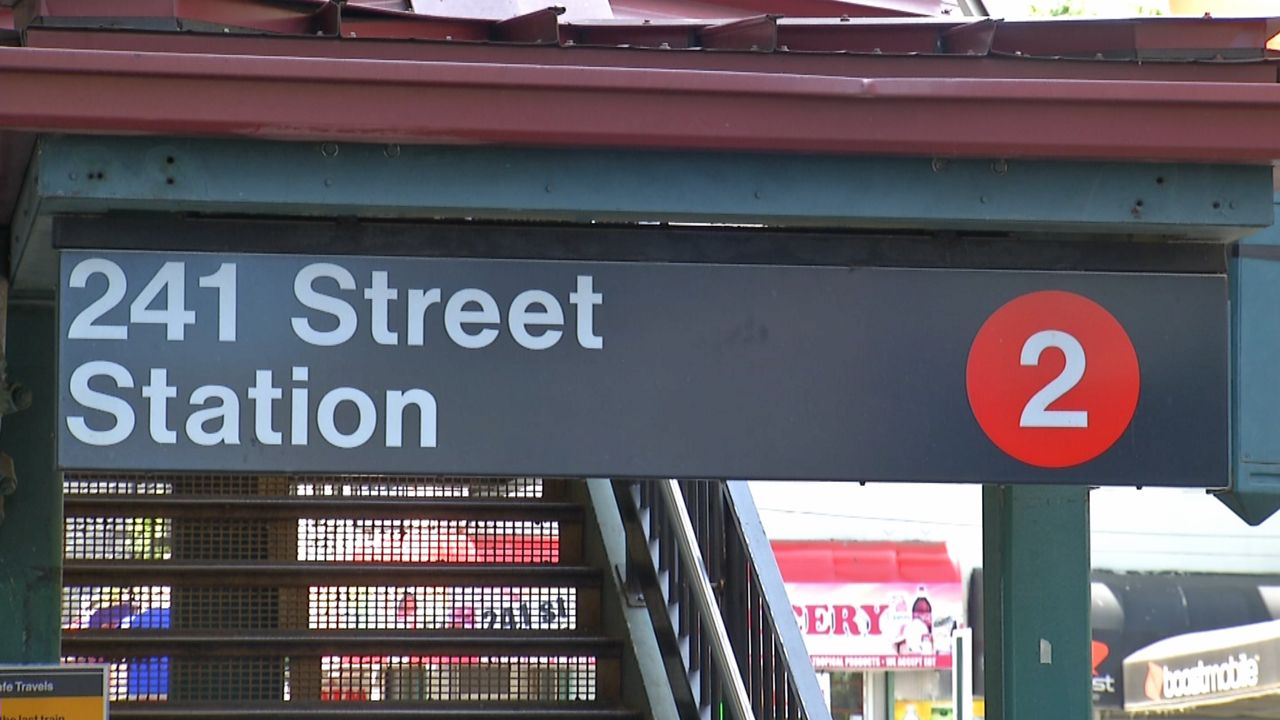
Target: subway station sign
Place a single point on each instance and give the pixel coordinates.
(361, 364)
(41, 692)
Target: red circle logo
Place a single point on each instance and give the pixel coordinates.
(1053, 379)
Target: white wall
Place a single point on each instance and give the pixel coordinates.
(1153, 529)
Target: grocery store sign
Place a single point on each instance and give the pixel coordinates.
(877, 626)
(338, 364)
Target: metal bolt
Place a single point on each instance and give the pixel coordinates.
(74, 176)
(391, 151)
(329, 149)
(758, 194)
(1232, 204)
(939, 164)
(328, 182)
(547, 187)
(982, 199)
(1000, 167)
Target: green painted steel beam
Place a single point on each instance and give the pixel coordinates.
(96, 174)
(1036, 602)
(31, 533)
(1255, 393)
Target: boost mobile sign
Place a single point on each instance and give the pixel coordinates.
(357, 364)
(1185, 680)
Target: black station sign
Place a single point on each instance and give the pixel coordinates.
(359, 364)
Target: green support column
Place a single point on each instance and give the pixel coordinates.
(31, 533)
(1035, 547)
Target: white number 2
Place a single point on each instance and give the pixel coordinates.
(1036, 413)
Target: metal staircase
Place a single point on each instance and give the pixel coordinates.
(225, 597)
(381, 597)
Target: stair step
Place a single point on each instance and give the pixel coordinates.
(252, 573)
(370, 711)
(266, 507)
(434, 643)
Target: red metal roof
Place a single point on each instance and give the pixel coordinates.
(1200, 90)
(830, 561)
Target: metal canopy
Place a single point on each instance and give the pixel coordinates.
(1162, 89)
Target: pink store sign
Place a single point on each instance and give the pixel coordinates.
(878, 626)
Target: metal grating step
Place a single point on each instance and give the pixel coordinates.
(290, 711)
(443, 643)
(252, 573)
(568, 680)
(347, 486)
(257, 507)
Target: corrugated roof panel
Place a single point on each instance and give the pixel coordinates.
(863, 36)
(1132, 39)
(278, 16)
(1199, 37)
(737, 9)
(670, 34)
(370, 23)
(1153, 38)
(400, 5)
(758, 34)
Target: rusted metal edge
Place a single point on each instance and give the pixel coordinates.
(957, 62)
(290, 98)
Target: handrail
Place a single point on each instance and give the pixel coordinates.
(774, 592)
(708, 606)
(726, 610)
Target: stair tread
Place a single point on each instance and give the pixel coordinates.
(301, 711)
(241, 506)
(374, 643)
(274, 572)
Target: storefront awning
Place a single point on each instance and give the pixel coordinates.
(873, 606)
(828, 561)
(1233, 672)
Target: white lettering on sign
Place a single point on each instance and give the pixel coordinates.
(9, 686)
(171, 278)
(840, 619)
(327, 315)
(470, 317)
(1037, 414)
(210, 414)
(1238, 672)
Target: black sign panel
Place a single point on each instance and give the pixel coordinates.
(338, 364)
(35, 692)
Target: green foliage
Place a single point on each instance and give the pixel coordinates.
(1065, 9)
(1081, 8)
